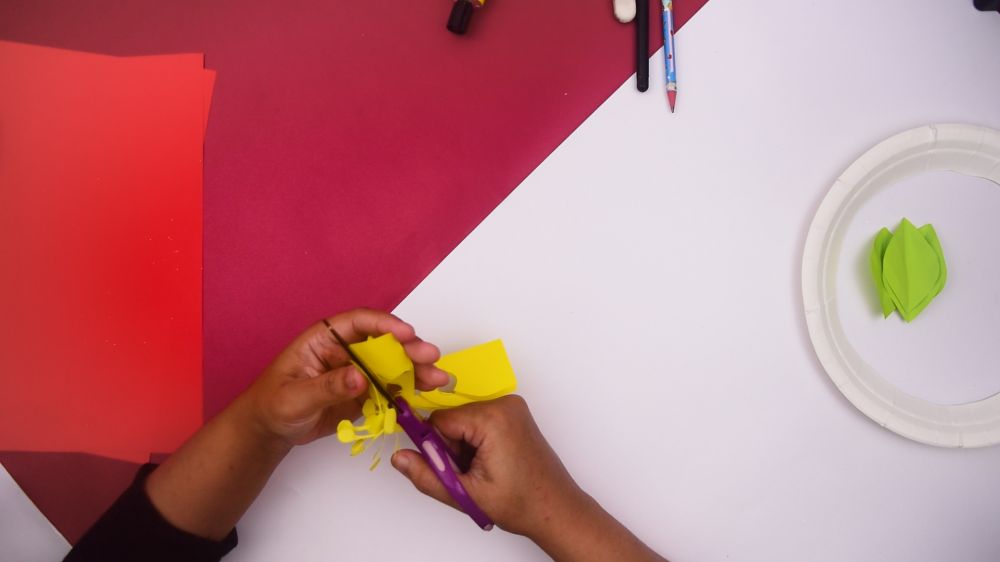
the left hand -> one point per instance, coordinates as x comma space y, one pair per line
312, 384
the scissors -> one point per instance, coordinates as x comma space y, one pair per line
432, 447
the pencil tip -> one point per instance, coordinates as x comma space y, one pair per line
671, 99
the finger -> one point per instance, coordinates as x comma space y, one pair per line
474, 423
420, 351
354, 326
304, 397
424, 354
625, 9
358, 324
462, 424
413, 466
429, 377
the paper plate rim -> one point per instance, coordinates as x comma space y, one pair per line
967, 149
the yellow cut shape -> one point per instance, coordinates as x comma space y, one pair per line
345, 431
389, 422
373, 424
420, 403
483, 370
435, 400
383, 411
385, 357
481, 373
368, 408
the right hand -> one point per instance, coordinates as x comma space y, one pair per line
515, 476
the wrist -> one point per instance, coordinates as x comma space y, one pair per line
575, 511
589, 533
248, 421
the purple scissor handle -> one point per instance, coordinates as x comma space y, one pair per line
440, 458
432, 447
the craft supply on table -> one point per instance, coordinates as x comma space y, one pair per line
668, 53
966, 149
908, 268
461, 13
624, 10
101, 219
642, 45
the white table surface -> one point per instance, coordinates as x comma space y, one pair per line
646, 281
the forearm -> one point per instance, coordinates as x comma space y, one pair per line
589, 533
209, 483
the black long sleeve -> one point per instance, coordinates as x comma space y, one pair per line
132, 529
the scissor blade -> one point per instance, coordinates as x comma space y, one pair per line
360, 364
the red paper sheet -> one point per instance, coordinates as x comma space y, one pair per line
100, 241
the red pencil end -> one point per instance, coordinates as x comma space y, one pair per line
671, 99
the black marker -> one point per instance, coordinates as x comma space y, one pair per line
642, 45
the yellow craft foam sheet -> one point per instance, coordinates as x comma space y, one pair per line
646, 281
480, 373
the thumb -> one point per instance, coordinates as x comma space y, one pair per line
332, 387
413, 466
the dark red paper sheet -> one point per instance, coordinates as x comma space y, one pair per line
100, 241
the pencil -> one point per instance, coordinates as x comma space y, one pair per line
668, 52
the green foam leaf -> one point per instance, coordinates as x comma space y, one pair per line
877, 254
912, 268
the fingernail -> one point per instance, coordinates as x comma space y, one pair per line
351, 379
448, 382
400, 462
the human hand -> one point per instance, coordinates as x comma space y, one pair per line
312, 385
515, 476
517, 479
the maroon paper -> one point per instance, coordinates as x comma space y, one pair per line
71, 489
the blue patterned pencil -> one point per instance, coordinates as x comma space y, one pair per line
668, 52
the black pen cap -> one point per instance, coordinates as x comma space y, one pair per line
461, 12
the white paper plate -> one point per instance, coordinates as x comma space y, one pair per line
966, 149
